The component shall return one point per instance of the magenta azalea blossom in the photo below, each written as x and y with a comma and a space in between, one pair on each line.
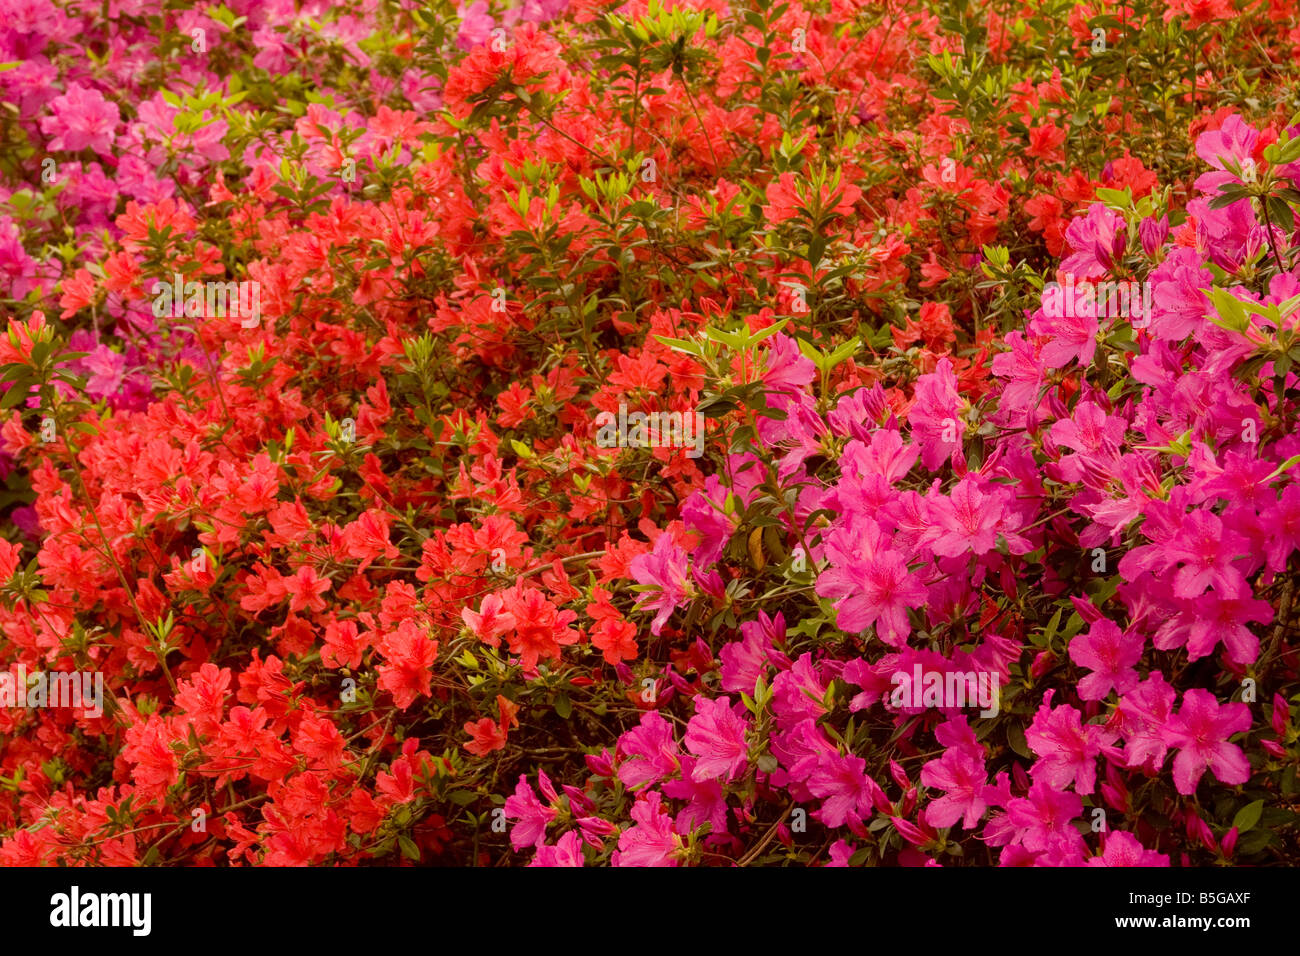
847, 792
935, 416
1070, 335
83, 119
651, 752
1144, 713
532, 815
566, 852
651, 841
967, 521
1111, 655
1200, 733
1067, 749
1097, 240
1123, 849
664, 568
717, 737
870, 582
1206, 549
964, 777
1043, 819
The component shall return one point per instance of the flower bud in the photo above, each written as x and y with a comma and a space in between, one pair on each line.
1153, 233
1281, 714
899, 774
1229, 842
1043, 663
599, 764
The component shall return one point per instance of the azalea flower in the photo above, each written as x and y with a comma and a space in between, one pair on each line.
566, 852
663, 569
1043, 820
1110, 654
651, 754
870, 584
848, 794
1067, 749
1200, 732
717, 737
651, 840
531, 814
1123, 849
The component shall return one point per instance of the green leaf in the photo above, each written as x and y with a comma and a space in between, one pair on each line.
563, 706
1248, 816
679, 345
409, 849
1285, 466
1280, 213
1016, 738
15, 394
1230, 311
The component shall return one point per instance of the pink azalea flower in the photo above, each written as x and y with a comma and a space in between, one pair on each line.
871, 585
841, 853
82, 119
651, 840
1067, 750
1097, 239
1177, 306
800, 751
787, 368
1207, 551
934, 416
475, 25
717, 736
107, 369
650, 750
847, 792
1143, 713
1233, 142
1230, 235
1023, 369
566, 852
1200, 732
532, 814
1283, 522
797, 694
1071, 334
1043, 819
744, 661
1213, 618
1123, 849
1094, 435
963, 775
887, 455
705, 801
1110, 654
967, 520
664, 569
702, 512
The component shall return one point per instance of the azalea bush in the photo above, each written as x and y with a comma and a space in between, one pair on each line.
624, 426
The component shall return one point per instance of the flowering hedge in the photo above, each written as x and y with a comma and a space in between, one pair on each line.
624, 428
